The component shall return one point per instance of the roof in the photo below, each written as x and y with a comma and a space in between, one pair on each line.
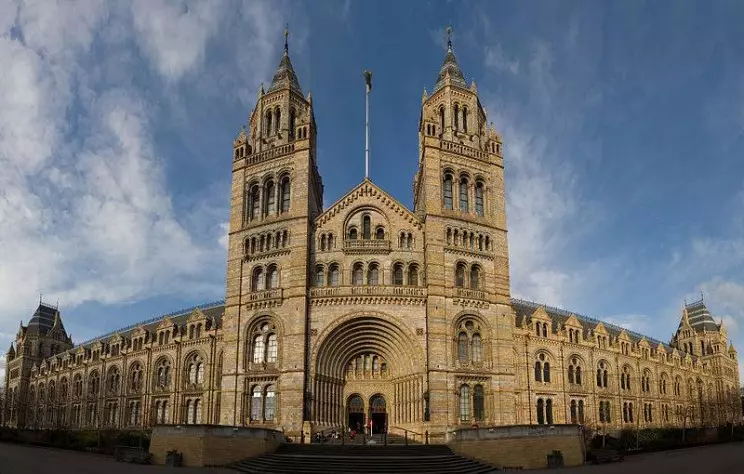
524, 310
285, 77
450, 66
213, 310
699, 317
43, 319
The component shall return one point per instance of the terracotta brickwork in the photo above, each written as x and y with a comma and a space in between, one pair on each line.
367, 310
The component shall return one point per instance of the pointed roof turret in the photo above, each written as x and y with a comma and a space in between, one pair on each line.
11, 352
450, 69
698, 317
285, 77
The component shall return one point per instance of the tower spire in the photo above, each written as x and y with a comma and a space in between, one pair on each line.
286, 38
449, 38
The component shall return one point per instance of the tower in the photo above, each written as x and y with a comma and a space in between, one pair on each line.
276, 192
459, 192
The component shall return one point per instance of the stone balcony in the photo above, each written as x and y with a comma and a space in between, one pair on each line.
377, 290
367, 246
468, 293
263, 295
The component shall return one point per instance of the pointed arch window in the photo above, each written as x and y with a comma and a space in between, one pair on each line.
479, 198
285, 194
448, 191
464, 403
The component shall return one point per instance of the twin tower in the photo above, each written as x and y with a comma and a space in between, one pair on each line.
351, 314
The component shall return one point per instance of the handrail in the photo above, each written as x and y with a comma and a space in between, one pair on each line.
404, 429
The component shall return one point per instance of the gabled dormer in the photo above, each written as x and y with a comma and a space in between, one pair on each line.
601, 336
541, 323
573, 329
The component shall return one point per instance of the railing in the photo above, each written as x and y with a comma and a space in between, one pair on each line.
464, 150
410, 434
471, 294
367, 244
273, 294
270, 154
377, 290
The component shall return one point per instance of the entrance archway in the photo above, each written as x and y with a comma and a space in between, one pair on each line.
378, 413
355, 412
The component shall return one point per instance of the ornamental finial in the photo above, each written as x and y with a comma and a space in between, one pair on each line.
449, 37
286, 38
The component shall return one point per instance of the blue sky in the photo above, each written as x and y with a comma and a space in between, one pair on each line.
622, 124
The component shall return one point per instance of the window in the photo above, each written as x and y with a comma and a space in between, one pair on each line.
163, 374
398, 274
352, 233
333, 275
258, 349
478, 403
269, 199
373, 274
255, 202
476, 348
292, 119
257, 279
574, 371
540, 411
278, 121
460, 275
456, 117
625, 379
604, 412
319, 276
135, 377
462, 348
272, 349
479, 198
413, 275
464, 403
448, 191
542, 369
366, 228
285, 191
602, 375
268, 122
464, 119
357, 275
272, 277
380, 233
475, 277
269, 404
441, 118
194, 369
464, 206
256, 404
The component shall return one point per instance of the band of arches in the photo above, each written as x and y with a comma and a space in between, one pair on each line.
370, 274
266, 242
468, 240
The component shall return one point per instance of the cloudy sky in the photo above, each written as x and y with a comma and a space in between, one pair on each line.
622, 121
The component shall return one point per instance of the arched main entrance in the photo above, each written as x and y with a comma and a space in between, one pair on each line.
355, 412
378, 413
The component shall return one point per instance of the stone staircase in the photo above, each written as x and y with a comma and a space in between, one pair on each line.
353, 459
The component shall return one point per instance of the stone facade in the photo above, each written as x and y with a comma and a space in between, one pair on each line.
370, 311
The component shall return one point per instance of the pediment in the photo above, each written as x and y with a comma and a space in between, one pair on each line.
573, 321
623, 336
540, 314
197, 315
661, 349
367, 193
601, 329
643, 342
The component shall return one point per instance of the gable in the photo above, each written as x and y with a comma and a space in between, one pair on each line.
367, 193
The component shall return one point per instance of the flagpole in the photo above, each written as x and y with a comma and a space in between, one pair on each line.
368, 80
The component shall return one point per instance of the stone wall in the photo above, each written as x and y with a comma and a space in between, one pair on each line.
212, 445
520, 446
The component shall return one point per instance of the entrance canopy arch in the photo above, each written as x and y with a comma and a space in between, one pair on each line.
367, 334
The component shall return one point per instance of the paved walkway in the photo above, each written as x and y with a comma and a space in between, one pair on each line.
17, 458
719, 459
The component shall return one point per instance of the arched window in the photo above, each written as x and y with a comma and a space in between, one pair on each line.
464, 204
278, 119
366, 228
319, 275
475, 277
479, 198
546, 372
464, 403
464, 118
269, 198
255, 201
256, 403
574, 418
352, 233
456, 117
574, 371
135, 377
476, 348
545, 329
460, 275
257, 279
602, 375
357, 274
441, 118
330, 242
272, 277
333, 275
398, 274
581, 411
322, 242
271, 350
380, 233
448, 191
479, 411
413, 275
268, 122
285, 193
538, 371
373, 274
549, 411
163, 374
258, 349
462, 348
269, 404
292, 118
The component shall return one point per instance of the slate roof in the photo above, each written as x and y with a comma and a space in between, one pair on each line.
285, 75
42, 320
450, 66
700, 318
524, 310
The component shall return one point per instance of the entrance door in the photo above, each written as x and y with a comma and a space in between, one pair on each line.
378, 414
355, 409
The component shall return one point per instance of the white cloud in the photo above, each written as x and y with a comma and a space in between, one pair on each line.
639, 323
225, 235
86, 211
497, 59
